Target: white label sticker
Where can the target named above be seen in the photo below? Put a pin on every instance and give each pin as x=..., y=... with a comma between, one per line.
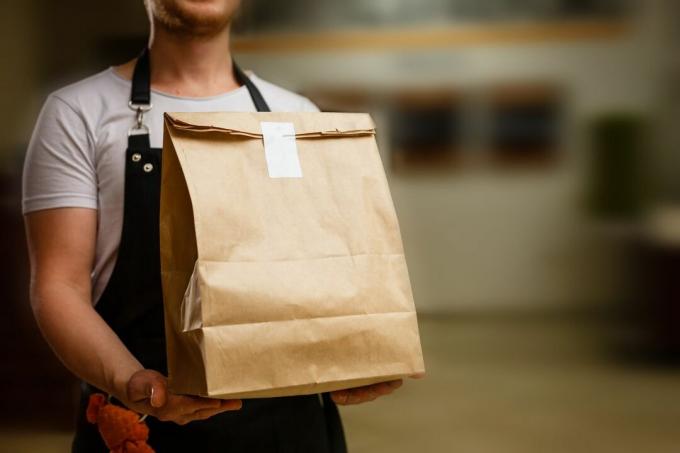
x=280, y=150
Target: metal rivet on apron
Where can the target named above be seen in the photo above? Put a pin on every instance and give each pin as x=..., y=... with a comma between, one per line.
x=136, y=157
x=148, y=167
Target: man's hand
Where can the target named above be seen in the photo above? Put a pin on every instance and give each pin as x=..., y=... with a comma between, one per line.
x=364, y=394
x=147, y=393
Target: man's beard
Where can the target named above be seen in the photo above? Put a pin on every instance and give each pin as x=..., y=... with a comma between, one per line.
x=176, y=18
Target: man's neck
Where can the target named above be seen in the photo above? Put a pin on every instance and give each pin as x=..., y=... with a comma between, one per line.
x=189, y=66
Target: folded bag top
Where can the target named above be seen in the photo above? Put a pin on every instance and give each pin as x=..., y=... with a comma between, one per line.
x=307, y=124
x=279, y=286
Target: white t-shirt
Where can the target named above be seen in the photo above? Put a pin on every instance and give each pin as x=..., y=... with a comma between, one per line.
x=76, y=156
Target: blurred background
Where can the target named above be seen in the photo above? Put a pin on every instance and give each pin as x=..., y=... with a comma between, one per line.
x=533, y=153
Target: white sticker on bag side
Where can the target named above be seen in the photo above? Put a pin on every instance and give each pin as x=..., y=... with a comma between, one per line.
x=280, y=150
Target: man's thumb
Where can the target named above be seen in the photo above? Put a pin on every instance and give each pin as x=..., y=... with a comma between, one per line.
x=157, y=392
x=148, y=384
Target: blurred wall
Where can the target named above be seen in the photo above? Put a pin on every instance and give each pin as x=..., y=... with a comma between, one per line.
x=483, y=240
x=20, y=50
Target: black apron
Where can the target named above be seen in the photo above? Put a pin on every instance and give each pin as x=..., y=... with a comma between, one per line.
x=132, y=305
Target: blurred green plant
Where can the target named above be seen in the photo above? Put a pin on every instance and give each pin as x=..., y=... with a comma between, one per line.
x=618, y=186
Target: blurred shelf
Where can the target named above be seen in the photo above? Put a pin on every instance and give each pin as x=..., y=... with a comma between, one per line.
x=424, y=37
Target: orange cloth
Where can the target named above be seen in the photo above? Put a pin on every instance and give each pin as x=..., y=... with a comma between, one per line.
x=121, y=428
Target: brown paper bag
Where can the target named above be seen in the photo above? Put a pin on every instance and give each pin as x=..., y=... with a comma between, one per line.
x=279, y=286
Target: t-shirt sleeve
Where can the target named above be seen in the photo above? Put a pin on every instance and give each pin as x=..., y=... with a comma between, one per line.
x=308, y=106
x=59, y=169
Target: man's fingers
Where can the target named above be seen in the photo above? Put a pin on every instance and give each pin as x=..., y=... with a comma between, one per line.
x=351, y=396
x=221, y=405
x=202, y=414
x=232, y=405
x=395, y=384
x=191, y=404
x=147, y=384
x=148, y=391
x=158, y=395
x=137, y=389
x=369, y=394
x=340, y=396
x=358, y=395
x=207, y=413
x=366, y=393
x=383, y=389
x=181, y=420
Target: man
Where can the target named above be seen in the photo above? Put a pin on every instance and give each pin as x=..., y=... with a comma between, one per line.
x=91, y=210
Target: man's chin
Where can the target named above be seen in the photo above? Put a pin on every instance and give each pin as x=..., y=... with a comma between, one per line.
x=194, y=18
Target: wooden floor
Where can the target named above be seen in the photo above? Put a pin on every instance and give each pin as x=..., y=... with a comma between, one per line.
x=504, y=385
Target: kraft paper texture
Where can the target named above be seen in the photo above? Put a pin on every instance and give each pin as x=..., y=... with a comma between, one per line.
x=281, y=286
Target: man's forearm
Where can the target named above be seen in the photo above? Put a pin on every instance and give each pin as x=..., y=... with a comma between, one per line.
x=81, y=338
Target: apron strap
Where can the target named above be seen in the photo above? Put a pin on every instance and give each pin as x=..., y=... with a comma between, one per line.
x=141, y=80
x=140, y=102
x=255, y=95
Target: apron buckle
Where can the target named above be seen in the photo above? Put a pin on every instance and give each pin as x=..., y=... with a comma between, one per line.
x=139, y=125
